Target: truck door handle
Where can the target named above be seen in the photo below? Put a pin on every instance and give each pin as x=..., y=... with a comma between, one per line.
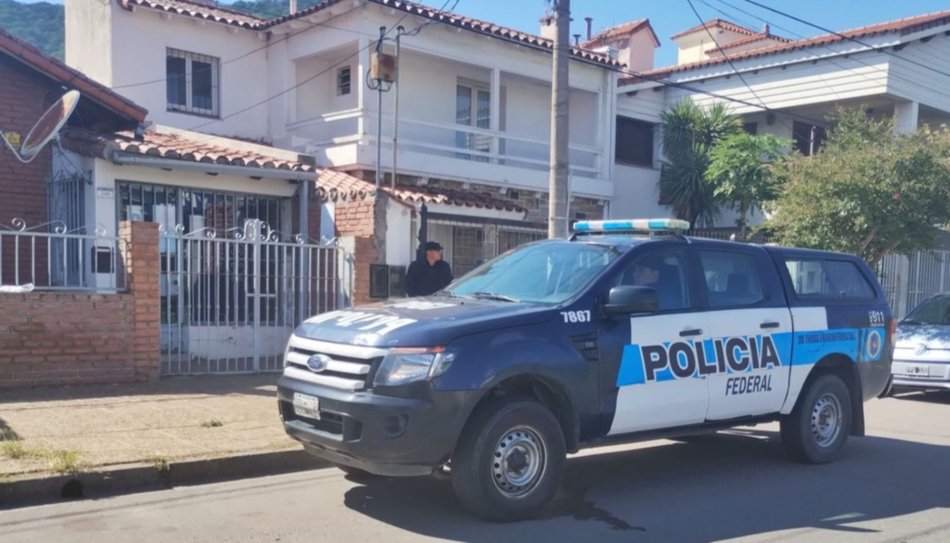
x=769, y=324
x=689, y=332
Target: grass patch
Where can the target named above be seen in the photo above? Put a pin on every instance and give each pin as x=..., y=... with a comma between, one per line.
x=212, y=423
x=18, y=450
x=64, y=461
x=160, y=463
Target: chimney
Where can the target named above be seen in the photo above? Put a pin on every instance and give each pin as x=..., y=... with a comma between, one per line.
x=293, y=7
x=588, y=20
x=577, y=39
x=548, y=26
x=765, y=29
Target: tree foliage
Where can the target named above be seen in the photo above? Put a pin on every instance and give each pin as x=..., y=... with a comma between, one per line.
x=689, y=135
x=40, y=24
x=742, y=171
x=868, y=192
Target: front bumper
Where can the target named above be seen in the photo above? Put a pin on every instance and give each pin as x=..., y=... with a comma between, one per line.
x=383, y=435
x=923, y=374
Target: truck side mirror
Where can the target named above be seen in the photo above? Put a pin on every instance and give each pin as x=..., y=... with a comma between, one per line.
x=626, y=299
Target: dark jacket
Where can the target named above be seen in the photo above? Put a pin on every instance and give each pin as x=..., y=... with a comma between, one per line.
x=423, y=279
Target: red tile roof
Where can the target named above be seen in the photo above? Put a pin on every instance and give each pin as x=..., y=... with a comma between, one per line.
x=463, y=198
x=200, y=10
x=620, y=31
x=746, y=41
x=716, y=23
x=225, y=16
x=57, y=71
x=330, y=184
x=175, y=147
x=903, y=27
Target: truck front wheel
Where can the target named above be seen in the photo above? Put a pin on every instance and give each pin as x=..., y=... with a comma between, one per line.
x=509, y=461
x=816, y=430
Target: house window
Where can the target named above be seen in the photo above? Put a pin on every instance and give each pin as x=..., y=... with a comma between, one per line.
x=750, y=128
x=473, y=108
x=808, y=138
x=192, y=82
x=634, y=142
x=343, y=81
x=194, y=208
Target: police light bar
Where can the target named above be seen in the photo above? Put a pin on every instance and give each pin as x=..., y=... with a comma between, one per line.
x=632, y=225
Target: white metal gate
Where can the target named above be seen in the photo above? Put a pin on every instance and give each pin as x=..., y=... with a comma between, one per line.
x=909, y=280
x=229, y=303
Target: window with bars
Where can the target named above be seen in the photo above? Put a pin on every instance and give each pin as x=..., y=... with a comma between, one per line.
x=192, y=82
x=194, y=208
x=343, y=81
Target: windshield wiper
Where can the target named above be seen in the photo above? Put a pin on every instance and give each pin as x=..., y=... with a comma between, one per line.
x=910, y=321
x=493, y=296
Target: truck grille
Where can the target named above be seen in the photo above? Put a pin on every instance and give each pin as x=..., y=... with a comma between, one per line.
x=335, y=365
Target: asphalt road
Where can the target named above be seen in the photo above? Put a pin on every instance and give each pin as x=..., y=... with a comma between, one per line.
x=893, y=485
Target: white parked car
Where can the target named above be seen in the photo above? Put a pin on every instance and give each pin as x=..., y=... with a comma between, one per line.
x=922, y=350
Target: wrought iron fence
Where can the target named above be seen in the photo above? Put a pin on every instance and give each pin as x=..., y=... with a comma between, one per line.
x=48, y=256
x=229, y=301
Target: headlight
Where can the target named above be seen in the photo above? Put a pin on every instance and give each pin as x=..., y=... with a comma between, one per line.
x=407, y=365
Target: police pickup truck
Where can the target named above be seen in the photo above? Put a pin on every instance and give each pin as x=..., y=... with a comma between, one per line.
x=627, y=331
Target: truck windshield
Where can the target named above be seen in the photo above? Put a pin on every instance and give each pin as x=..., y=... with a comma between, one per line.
x=546, y=272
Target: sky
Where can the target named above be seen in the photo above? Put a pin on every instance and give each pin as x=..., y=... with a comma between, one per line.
x=671, y=16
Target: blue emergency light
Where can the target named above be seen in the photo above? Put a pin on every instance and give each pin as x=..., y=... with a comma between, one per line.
x=649, y=226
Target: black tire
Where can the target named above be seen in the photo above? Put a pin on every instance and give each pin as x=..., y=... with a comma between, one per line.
x=485, y=478
x=817, y=429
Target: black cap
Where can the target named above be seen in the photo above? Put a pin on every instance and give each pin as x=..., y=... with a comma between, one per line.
x=433, y=246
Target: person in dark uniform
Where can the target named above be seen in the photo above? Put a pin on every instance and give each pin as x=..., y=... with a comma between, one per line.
x=427, y=276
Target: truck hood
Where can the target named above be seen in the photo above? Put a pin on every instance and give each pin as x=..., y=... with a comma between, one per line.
x=434, y=320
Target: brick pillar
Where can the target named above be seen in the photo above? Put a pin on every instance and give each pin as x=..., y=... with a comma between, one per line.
x=141, y=257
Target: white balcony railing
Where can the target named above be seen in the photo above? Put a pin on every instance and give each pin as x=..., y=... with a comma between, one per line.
x=446, y=140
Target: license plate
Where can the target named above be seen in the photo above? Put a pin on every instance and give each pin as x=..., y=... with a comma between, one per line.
x=307, y=406
x=917, y=371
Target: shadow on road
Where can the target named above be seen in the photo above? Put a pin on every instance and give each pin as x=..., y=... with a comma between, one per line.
x=930, y=396
x=729, y=485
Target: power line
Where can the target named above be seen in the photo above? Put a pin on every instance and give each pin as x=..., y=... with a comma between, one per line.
x=322, y=72
x=849, y=38
x=723, y=53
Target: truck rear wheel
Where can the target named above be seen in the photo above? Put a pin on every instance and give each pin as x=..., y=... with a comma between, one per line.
x=509, y=461
x=817, y=429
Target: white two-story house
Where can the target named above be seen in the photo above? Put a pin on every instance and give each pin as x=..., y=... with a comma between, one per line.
x=473, y=119
x=787, y=87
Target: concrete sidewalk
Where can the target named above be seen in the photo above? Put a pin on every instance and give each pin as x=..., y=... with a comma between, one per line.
x=174, y=431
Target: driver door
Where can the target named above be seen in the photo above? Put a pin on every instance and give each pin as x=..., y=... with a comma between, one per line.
x=657, y=383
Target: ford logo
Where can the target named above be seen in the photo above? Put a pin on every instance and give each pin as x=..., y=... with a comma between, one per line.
x=318, y=362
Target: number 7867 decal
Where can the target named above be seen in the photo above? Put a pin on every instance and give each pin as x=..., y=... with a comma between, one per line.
x=575, y=316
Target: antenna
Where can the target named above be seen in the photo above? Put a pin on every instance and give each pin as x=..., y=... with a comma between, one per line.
x=46, y=128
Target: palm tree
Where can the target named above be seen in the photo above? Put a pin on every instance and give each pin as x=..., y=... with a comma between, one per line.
x=689, y=134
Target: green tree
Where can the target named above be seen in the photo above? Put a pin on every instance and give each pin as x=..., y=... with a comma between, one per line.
x=689, y=135
x=742, y=170
x=868, y=192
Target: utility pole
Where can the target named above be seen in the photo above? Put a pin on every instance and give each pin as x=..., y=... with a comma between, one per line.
x=560, y=96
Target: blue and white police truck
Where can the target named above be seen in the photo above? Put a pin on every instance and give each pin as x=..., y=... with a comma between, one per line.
x=627, y=331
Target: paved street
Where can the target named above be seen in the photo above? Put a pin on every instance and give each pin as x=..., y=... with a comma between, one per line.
x=891, y=486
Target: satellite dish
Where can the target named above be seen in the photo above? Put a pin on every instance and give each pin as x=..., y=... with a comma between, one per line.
x=46, y=128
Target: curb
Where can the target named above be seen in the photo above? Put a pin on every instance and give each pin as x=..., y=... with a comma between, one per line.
x=130, y=478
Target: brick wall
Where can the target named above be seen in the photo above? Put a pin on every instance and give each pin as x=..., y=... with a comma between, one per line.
x=360, y=220
x=58, y=338
x=24, y=96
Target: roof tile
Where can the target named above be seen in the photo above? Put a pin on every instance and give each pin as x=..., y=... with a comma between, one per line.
x=905, y=26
